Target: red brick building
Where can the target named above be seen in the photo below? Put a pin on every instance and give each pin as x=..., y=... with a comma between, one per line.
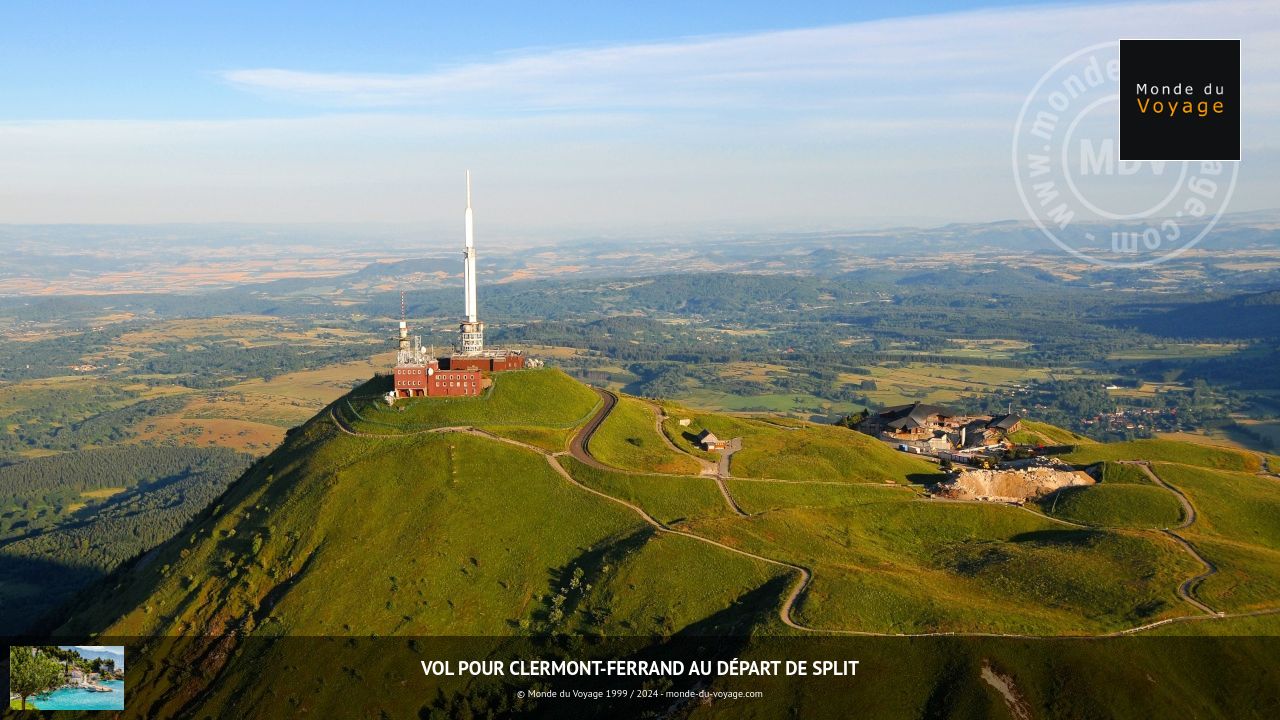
x=490, y=361
x=428, y=380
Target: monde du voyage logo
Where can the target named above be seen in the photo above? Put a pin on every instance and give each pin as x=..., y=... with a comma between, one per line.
x=1125, y=152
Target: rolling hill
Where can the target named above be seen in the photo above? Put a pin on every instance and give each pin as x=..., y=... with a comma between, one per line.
x=532, y=519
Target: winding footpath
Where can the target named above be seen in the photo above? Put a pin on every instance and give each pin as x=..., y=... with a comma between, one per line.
x=719, y=471
x=1188, y=586
x=705, y=466
x=579, y=449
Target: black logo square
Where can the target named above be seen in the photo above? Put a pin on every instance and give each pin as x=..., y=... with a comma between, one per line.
x=1179, y=99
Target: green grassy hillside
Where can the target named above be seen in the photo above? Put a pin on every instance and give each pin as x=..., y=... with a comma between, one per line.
x=1238, y=529
x=668, y=499
x=328, y=513
x=542, y=398
x=1115, y=473
x=1166, y=451
x=627, y=439
x=1118, y=505
x=334, y=527
x=408, y=532
x=1038, y=433
x=884, y=558
x=801, y=451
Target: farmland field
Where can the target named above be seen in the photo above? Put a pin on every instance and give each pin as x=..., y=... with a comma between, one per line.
x=899, y=383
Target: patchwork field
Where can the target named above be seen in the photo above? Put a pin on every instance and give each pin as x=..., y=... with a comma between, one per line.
x=243, y=435
x=801, y=403
x=899, y=383
x=318, y=387
x=1177, y=351
x=986, y=348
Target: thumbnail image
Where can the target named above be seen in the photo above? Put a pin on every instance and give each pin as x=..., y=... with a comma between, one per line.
x=66, y=677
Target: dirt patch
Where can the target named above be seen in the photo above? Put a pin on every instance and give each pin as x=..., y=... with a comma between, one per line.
x=1012, y=486
x=1003, y=684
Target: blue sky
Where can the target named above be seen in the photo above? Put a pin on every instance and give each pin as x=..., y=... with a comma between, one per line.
x=148, y=60
x=575, y=117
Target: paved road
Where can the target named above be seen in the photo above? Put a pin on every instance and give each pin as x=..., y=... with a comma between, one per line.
x=719, y=470
x=578, y=445
x=731, y=447
x=803, y=575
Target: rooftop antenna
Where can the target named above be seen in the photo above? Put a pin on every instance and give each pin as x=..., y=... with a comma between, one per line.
x=402, y=317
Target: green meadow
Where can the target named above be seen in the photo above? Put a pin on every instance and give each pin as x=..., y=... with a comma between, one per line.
x=1118, y=505
x=627, y=439
x=1172, y=451
x=1117, y=473
x=406, y=533
x=888, y=560
x=1237, y=529
x=543, y=398
x=666, y=498
x=801, y=451
x=1036, y=433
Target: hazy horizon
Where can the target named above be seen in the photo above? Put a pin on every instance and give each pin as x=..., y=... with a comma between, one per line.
x=829, y=121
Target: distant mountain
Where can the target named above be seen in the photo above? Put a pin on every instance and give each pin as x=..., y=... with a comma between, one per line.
x=89, y=652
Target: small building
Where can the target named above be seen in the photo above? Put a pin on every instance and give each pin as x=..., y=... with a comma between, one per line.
x=426, y=379
x=940, y=442
x=915, y=421
x=1005, y=423
x=707, y=440
x=487, y=361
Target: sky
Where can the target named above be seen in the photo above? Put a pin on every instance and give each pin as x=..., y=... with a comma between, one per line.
x=113, y=652
x=574, y=118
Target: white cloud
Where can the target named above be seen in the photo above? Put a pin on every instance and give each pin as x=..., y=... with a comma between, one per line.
x=960, y=55
x=109, y=649
x=902, y=120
